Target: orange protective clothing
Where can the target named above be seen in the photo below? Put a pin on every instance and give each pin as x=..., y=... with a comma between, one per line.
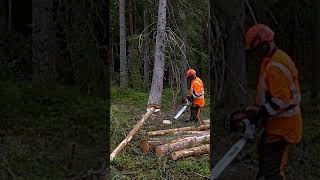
x=197, y=91
x=278, y=78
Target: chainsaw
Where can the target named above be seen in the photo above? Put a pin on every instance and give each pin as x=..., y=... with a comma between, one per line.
x=238, y=121
x=182, y=109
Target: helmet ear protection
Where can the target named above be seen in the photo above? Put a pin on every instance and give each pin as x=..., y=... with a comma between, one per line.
x=261, y=47
x=264, y=47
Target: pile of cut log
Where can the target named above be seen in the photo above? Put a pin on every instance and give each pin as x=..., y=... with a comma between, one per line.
x=178, y=143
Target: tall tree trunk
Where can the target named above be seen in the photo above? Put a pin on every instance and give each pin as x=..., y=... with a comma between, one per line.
x=183, y=77
x=159, y=58
x=3, y=16
x=9, y=15
x=146, y=64
x=40, y=44
x=123, y=50
x=131, y=18
x=315, y=89
x=235, y=86
x=183, y=67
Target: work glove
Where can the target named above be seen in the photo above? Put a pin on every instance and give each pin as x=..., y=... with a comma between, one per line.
x=190, y=98
x=252, y=114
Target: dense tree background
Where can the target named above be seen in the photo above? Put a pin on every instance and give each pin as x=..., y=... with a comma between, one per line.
x=53, y=86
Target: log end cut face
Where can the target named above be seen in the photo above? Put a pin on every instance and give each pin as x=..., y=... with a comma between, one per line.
x=159, y=151
x=144, y=146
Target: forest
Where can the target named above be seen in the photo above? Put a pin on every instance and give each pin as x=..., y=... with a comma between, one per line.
x=84, y=79
x=144, y=73
x=232, y=76
x=53, y=64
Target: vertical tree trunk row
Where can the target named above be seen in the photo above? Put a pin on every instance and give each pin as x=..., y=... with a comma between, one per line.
x=159, y=59
x=123, y=50
x=146, y=65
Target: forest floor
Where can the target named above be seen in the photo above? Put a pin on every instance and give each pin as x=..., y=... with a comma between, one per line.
x=127, y=107
x=304, y=157
x=50, y=133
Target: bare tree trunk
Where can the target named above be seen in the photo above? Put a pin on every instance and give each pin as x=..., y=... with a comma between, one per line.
x=146, y=64
x=184, y=67
x=183, y=77
x=40, y=42
x=182, y=144
x=9, y=15
x=203, y=149
x=132, y=133
x=131, y=18
x=159, y=59
x=150, y=144
x=123, y=49
x=3, y=16
x=177, y=130
x=315, y=89
x=235, y=87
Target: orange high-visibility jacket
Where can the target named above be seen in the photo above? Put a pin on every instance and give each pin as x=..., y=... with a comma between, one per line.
x=197, y=91
x=279, y=78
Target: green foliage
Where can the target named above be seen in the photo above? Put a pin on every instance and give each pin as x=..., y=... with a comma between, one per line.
x=190, y=166
x=127, y=107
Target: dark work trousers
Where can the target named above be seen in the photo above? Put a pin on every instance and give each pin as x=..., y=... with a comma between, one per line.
x=195, y=110
x=272, y=159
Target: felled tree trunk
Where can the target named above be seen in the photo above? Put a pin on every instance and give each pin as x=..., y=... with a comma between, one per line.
x=147, y=145
x=175, y=130
x=182, y=144
x=131, y=134
x=159, y=58
x=203, y=149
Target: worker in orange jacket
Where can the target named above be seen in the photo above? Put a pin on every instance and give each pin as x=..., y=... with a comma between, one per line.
x=278, y=98
x=196, y=96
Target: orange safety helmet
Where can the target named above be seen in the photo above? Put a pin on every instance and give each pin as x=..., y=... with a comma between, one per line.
x=191, y=73
x=258, y=34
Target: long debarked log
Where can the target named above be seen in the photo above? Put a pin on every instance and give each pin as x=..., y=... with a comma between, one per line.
x=131, y=133
x=182, y=144
x=203, y=149
x=147, y=145
x=172, y=131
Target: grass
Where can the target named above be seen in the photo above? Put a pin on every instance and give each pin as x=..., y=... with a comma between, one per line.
x=40, y=127
x=128, y=106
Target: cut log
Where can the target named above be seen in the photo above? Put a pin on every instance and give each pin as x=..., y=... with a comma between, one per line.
x=172, y=131
x=181, y=144
x=203, y=149
x=147, y=145
x=131, y=134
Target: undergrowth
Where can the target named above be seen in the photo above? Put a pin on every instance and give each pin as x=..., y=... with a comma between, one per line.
x=127, y=107
x=50, y=133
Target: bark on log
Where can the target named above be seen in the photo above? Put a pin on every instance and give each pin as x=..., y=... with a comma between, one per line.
x=147, y=145
x=203, y=149
x=182, y=144
x=131, y=134
x=172, y=131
